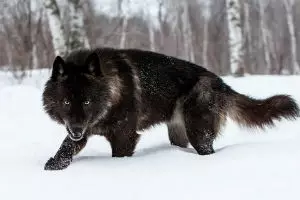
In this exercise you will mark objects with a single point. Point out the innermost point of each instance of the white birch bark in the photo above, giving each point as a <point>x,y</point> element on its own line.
<point>174,16</point>
<point>205,33</point>
<point>34,57</point>
<point>125,3</point>
<point>56,27</point>
<point>187,33</point>
<point>291,26</point>
<point>235,37</point>
<point>77,37</point>
<point>264,35</point>
<point>151,35</point>
<point>248,35</point>
<point>123,33</point>
<point>34,35</point>
<point>160,6</point>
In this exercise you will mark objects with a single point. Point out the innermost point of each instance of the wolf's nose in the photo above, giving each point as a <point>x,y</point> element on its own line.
<point>76,131</point>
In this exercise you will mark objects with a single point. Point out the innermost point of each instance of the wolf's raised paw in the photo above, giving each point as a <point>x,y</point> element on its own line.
<point>56,164</point>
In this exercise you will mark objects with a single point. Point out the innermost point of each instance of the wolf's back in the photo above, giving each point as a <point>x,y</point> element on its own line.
<point>250,112</point>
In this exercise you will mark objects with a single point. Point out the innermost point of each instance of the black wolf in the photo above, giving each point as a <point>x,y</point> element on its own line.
<point>115,93</point>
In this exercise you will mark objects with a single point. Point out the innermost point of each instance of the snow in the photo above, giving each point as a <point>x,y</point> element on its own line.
<point>247,164</point>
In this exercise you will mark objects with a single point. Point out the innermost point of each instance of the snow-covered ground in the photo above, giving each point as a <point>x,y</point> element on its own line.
<point>248,165</point>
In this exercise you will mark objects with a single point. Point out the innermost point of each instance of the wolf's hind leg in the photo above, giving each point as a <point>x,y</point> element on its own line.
<point>64,155</point>
<point>123,144</point>
<point>177,135</point>
<point>176,128</point>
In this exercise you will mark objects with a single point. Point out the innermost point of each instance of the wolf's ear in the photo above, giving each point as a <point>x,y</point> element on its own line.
<point>92,65</point>
<point>95,67</point>
<point>58,67</point>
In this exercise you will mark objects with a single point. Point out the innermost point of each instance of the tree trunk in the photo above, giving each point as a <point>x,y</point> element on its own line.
<point>34,57</point>
<point>56,27</point>
<point>151,35</point>
<point>77,38</point>
<point>235,37</point>
<point>187,33</point>
<point>34,35</point>
<point>205,34</point>
<point>123,34</point>
<point>8,51</point>
<point>124,24</point>
<point>248,39</point>
<point>293,43</point>
<point>160,19</point>
<point>264,35</point>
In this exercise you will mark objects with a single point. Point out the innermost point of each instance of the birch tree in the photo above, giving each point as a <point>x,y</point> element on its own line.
<point>56,27</point>
<point>264,35</point>
<point>187,32</point>
<point>20,24</point>
<point>124,8</point>
<point>160,20</point>
<point>247,33</point>
<point>77,37</point>
<point>235,37</point>
<point>205,33</point>
<point>34,35</point>
<point>291,27</point>
<point>154,21</point>
<point>173,18</point>
<point>151,35</point>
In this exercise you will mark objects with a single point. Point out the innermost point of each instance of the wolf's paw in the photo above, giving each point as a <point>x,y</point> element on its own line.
<point>57,164</point>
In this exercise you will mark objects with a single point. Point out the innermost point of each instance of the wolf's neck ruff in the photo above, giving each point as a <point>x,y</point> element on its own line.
<point>115,88</point>
<point>102,114</point>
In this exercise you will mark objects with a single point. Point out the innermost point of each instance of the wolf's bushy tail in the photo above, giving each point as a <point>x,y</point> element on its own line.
<point>250,112</point>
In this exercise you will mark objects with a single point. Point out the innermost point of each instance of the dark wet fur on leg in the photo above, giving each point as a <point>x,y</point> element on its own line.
<point>64,155</point>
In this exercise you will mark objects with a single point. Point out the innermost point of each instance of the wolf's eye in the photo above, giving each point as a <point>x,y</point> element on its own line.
<point>86,102</point>
<point>66,102</point>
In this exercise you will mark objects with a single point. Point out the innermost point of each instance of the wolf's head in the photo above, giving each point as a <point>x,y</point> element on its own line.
<point>78,95</point>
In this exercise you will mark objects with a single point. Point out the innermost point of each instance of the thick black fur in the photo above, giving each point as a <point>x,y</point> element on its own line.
<point>115,93</point>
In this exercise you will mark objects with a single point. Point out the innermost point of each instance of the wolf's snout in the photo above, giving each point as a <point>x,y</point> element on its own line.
<point>75,133</point>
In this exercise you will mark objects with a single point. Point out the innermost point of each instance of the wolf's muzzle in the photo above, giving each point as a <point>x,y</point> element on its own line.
<point>75,133</point>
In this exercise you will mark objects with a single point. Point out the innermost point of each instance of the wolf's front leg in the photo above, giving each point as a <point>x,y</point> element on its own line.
<point>64,155</point>
<point>123,144</point>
